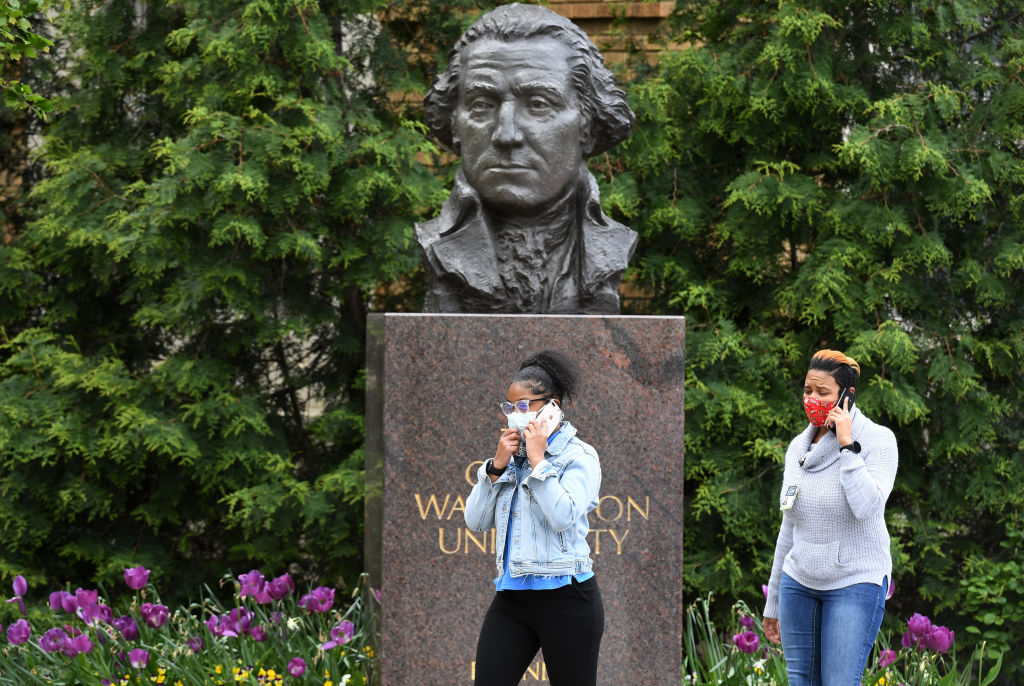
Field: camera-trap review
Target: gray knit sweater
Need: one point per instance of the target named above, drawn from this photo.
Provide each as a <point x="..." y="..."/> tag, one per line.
<point x="835" y="534"/>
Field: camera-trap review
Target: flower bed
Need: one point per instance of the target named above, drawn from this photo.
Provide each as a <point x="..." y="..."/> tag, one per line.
<point x="269" y="636"/>
<point x="743" y="656"/>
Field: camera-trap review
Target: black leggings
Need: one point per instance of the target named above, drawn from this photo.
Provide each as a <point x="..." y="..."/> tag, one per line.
<point x="565" y="622"/>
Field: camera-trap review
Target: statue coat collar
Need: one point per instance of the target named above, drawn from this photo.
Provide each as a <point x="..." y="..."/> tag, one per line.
<point x="462" y="228"/>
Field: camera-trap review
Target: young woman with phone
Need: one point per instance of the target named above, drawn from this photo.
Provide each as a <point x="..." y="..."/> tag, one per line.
<point x="832" y="566"/>
<point x="536" y="492"/>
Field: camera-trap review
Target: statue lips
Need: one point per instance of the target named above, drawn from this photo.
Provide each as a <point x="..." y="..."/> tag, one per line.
<point x="509" y="168"/>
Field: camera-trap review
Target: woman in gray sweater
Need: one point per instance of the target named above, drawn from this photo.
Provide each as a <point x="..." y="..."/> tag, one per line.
<point x="832" y="565"/>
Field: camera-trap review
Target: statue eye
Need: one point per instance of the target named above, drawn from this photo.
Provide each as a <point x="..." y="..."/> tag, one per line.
<point x="540" y="105"/>
<point x="479" y="106"/>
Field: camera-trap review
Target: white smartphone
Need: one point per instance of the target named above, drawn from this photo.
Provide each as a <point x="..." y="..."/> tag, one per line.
<point x="553" y="414"/>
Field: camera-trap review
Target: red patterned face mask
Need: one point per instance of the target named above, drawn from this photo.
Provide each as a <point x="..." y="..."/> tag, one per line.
<point x="817" y="410"/>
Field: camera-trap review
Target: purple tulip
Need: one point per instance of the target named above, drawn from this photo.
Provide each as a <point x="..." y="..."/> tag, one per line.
<point x="340" y="635"/>
<point x="154" y="615"/>
<point x="908" y="640"/>
<point x="86" y="597"/>
<point x="90" y="614"/>
<point x="764" y="589"/>
<point x="195" y="643"/>
<point x="892" y="589"/>
<point x="377" y="594"/>
<point x="138" y="658"/>
<point x="747" y="621"/>
<point x="213" y="623"/>
<point x="240" y="620"/>
<point x="320" y="599"/>
<point x="252" y="584"/>
<point x="136" y="577"/>
<point x="919" y="625"/>
<point x="19" y="632"/>
<point x="747" y="641"/>
<point x="20" y="588"/>
<point x="236" y="623"/>
<point x="258" y="633"/>
<point x="78" y="644"/>
<point x="57" y="600"/>
<point x="69" y="603"/>
<point x="127" y="626"/>
<point x="886" y="658"/>
<point x="52" y="640"/>
<point x="296" y="666"/>
<point x="939" y="639"/>
<point x="85" y="605"/>
<point x="281" y="586"/>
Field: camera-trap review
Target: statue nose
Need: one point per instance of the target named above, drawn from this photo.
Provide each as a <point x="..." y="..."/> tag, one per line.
<point x="507" y="131"/>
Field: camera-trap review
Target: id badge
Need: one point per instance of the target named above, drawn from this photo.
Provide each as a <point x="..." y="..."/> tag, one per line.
<point x="790" y="497"/>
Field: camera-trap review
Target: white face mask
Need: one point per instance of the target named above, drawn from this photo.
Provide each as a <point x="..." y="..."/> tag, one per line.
<point x="520" y="420"/>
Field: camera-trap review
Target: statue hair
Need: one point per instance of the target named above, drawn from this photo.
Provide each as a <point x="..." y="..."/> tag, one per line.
<point x="843" y="368"/>
<point x="549" y="372"/>
<point x="604" y="104"/>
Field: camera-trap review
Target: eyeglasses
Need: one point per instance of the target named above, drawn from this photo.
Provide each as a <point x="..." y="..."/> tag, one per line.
<point x="520" y="405"/>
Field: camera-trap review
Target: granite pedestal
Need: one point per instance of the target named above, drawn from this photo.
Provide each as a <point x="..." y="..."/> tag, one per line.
<point x="433" y="384"/>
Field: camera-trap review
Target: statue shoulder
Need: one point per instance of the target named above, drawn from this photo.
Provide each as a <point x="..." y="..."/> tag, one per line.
<point x="427" y="232"/>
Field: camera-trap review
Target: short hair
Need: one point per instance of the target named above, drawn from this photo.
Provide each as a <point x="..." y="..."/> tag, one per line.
<point x="604" y="103"/>
<point x="843" y="368"/>
<point x="549" y="372"/>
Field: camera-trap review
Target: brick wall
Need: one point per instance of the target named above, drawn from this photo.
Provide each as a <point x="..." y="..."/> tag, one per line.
<point x="596" y="18"/>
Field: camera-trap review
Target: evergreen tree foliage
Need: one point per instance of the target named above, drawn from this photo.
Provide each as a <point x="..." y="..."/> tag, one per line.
<point x="20" y="39"/>
<point x="183" y="321"/>
<point x="826" y="174"/>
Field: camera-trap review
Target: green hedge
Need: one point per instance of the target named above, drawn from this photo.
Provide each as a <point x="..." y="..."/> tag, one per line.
<point x="820" y="174"/>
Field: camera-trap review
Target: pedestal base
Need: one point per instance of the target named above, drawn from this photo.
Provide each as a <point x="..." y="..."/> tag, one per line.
<point x="434" y="381"/>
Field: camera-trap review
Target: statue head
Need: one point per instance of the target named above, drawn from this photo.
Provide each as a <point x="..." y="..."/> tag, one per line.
<point x="525" y="98"/>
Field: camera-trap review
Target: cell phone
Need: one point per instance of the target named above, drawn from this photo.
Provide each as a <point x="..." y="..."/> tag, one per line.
<point x="844" y="393"/>
<point x="553" y="414"/>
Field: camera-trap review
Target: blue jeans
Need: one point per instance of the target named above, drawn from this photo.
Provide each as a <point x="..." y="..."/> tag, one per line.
<point x="827" y="635"/>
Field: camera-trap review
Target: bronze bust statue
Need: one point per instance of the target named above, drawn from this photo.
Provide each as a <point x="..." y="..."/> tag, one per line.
<point x="525" y="99"/>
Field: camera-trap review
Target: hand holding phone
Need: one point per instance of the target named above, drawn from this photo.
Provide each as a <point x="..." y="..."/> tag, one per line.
<point x="839" y="420"/>
<point x="552" y="414"/>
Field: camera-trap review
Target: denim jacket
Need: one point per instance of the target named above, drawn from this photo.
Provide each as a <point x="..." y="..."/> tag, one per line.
<point x="549" y="526"/>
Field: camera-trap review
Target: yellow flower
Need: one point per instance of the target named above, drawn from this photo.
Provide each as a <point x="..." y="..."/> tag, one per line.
<point x="369" y="651"/>
<point x="328" y="683"/>
<point x="218" y="669"/>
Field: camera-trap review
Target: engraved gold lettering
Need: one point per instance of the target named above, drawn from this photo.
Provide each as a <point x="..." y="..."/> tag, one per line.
<point x="440" y="541"/>
<point x="432" y="503"/>
<point x="481" y="544"/>
<point x="471" y="472"/>
<point x="458" y="506"/>
<point x="631" y="504"/>
<point x="538" y="670"/>
<point x="618" y="541"/>
<point x="609" y="519"/>
<point x="597" y="539"/>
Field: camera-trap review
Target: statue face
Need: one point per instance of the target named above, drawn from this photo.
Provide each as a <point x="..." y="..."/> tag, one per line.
<point x="519" y="123"/>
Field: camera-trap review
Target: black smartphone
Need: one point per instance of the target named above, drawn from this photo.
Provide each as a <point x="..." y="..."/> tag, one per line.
<point x="844" y="394"/>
